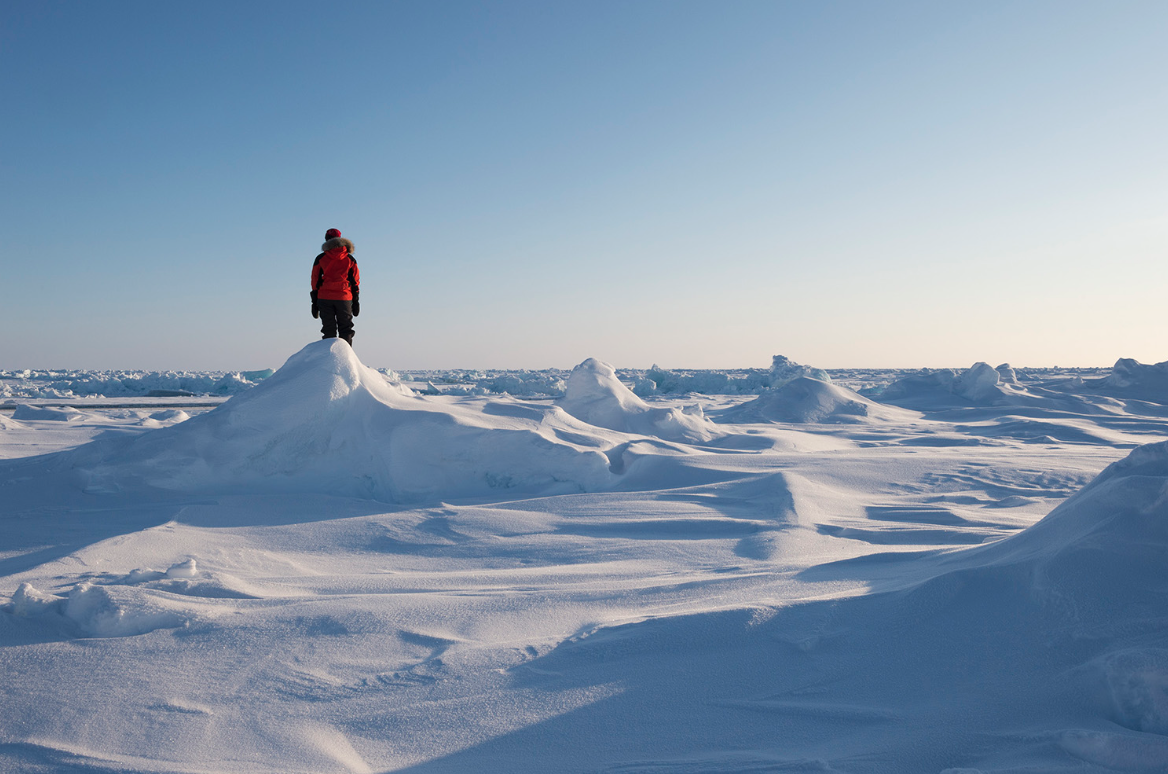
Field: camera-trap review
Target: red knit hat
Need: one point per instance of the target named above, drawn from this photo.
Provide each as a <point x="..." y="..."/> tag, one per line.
<point x="332" y="233"/>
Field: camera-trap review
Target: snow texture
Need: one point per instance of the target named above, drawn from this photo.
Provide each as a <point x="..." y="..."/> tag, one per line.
<point x="884" y="573"/>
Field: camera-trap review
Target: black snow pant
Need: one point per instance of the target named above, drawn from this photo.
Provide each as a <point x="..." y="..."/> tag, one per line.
<point x="336" y="317"/>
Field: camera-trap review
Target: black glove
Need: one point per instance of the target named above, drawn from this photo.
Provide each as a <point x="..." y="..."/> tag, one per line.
<point x="356" y="307"/>
<point x="315" y="308"/>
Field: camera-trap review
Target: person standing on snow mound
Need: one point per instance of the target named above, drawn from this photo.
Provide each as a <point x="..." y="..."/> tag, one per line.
<point x="336" y="285"/>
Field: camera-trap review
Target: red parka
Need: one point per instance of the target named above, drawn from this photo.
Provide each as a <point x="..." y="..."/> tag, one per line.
<point x="334" y="273"/>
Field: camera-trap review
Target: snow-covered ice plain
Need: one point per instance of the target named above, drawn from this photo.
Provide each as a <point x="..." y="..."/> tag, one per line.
<point x="653" y="571"/>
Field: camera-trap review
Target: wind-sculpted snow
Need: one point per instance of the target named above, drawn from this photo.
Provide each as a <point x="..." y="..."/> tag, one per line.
<point x="804" y="400"/>
<point x="330" y="573"/>
<point x="595" y="395"/>
<point x="1118" y="523"/>
<point x="326" y="423"/>
<point x="1130" y="378"/>
<point x="987" y="387"/>
<point x="1060" y="631"/>
<point x="981" y="384"/>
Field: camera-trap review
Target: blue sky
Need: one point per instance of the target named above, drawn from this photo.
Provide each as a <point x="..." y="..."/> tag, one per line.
<point x="529" y="184"/>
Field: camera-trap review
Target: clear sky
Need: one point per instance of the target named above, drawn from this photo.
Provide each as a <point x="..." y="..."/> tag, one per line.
<point x="694" y="184"/>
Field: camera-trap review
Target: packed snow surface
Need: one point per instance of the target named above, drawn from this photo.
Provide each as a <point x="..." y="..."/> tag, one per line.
<point x="960" y="571"/>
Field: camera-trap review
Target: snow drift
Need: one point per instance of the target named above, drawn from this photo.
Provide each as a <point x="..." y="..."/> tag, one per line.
<point x="595" y="395"/>
<point x="1131" y="379"/>
<point x="46" y="414"/>
<point x="1047" y="651"/>
<point x="981" y="384"/>
<point x="1116" y="526"/>
<point x="984" y="386"/>
<point x="807" y="400"/>
<point x="327" y="423"/>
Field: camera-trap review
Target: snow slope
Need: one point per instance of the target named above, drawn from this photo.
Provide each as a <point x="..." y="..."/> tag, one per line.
<point x="326" y="423"/>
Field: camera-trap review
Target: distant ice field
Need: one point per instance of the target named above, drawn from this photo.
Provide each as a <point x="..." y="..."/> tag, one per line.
<point x="338" y="568"/>
<point x="175" y="386"/>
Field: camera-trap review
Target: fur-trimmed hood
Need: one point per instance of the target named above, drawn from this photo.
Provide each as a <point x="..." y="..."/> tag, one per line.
<point x="336" y="242"/>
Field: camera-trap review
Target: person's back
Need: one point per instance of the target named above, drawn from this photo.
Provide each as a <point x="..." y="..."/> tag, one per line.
<point x="336" y="285"/>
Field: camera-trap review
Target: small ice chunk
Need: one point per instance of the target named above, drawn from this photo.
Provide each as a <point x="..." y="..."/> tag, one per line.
<point x="186" y="569"/>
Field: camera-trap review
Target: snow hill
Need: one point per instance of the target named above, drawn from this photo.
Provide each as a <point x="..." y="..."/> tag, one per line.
<point x="1132" y="379"/>
<point x="595" y="395"/>
<point x="326" y="423"/>
<point x="804" y="400"/>
<point x="981" y="384"/>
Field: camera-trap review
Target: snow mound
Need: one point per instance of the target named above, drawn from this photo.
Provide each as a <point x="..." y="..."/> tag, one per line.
<point x="170" y="415"/>
<point x="596" y="396"/>
<point x="807" y="400"/>
<point x="979" y="385"/>
<point x="28" y="601"/>
<point x="101" y="611"/>
<point x="47" y="413"/>
<point x="1131" y="378"/>
<point x="326" y="423"/>
<point x="112" y="611"/>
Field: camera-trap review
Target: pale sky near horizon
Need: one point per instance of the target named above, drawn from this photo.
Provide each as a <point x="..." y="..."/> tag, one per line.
<point x="693" y="184"/>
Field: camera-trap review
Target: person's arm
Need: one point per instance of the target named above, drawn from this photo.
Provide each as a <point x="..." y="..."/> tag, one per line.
<point x="317" y="276"/>
<point x="355" y="285"/>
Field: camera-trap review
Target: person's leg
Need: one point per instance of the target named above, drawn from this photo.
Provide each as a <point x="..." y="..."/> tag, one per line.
<point x="345" y="320"/>
<point x="328" y="318"/>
